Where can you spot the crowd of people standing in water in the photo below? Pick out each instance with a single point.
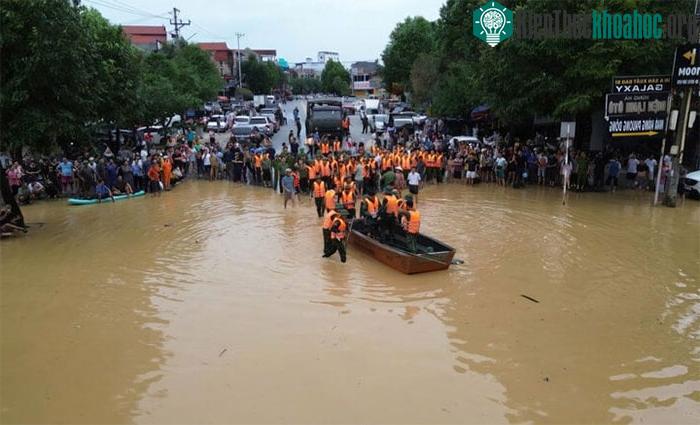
(323, 166)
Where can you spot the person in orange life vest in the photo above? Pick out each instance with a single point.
(325, 147)
(369, 211)
(329, 199)
(337, 145)
(347, 198)
(326, 172)
(410, 222)
(338, 234)
(257, 162)
(318, 191)
(328, 218)
(387, 214)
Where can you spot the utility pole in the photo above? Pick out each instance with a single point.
(177, 24)
(238, 50)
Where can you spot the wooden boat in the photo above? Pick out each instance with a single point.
(431, 254)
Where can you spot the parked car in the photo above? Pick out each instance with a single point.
(691, 184)
(270, 114)
(419, 119)
(378, 122)
(241, 120)
(242, 132)
(212, 108)
(217, 123)
(263, 124)
(402, 119)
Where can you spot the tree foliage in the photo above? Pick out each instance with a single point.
(407, 41)
(305, 85)
(424, 74)
(261, 77)
(65, 69)
(335, 79)
(520, 78)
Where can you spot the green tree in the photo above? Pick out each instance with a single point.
(261, 77)
(424, 74)
(521, 78)
(410, 38)
(335, 79)
(47, 74)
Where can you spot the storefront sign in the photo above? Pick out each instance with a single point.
(631, 105)
(686, 66)
(641, 84)
(631, 127)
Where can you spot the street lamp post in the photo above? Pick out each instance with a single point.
(238, 40)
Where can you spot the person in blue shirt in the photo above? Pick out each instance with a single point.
(613, 172)
(103, 191)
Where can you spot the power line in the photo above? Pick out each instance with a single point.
(104, 3)
(136, 9)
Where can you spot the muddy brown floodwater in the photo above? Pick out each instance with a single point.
(212, 305)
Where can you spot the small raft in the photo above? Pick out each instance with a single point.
(431, 255)
(82, 201)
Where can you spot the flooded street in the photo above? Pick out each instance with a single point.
(211, 304)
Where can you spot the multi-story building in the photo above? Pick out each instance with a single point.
(222, 57)
(311, 68)
(146, 37)
(365, 80)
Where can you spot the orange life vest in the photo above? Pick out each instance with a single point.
(413, 223)
(348, 200)
(319, 189)
(336, 146)
(340, 233)
(325, 148)
(392, 204)
(401, 206)
(325, 169)
(328, 219)
(406, 163)
(312, 172)
(342, 170)
(338, 182)
(329, 199)
(372, 206)
(317, 167)
(258, 161)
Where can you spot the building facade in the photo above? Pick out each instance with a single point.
(222, 57)
(365, 78)
(146, 37)
(313, 69)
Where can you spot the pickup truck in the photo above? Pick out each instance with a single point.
(400, 120)
(326, 115)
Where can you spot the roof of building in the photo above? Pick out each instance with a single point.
(265, 52)
(217, 45)
(366, 66)
(144, 30)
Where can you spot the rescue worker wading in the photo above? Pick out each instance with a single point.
(318, 191)
(329, 199)
(328, 218)
(410, 222)
(338, 234)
